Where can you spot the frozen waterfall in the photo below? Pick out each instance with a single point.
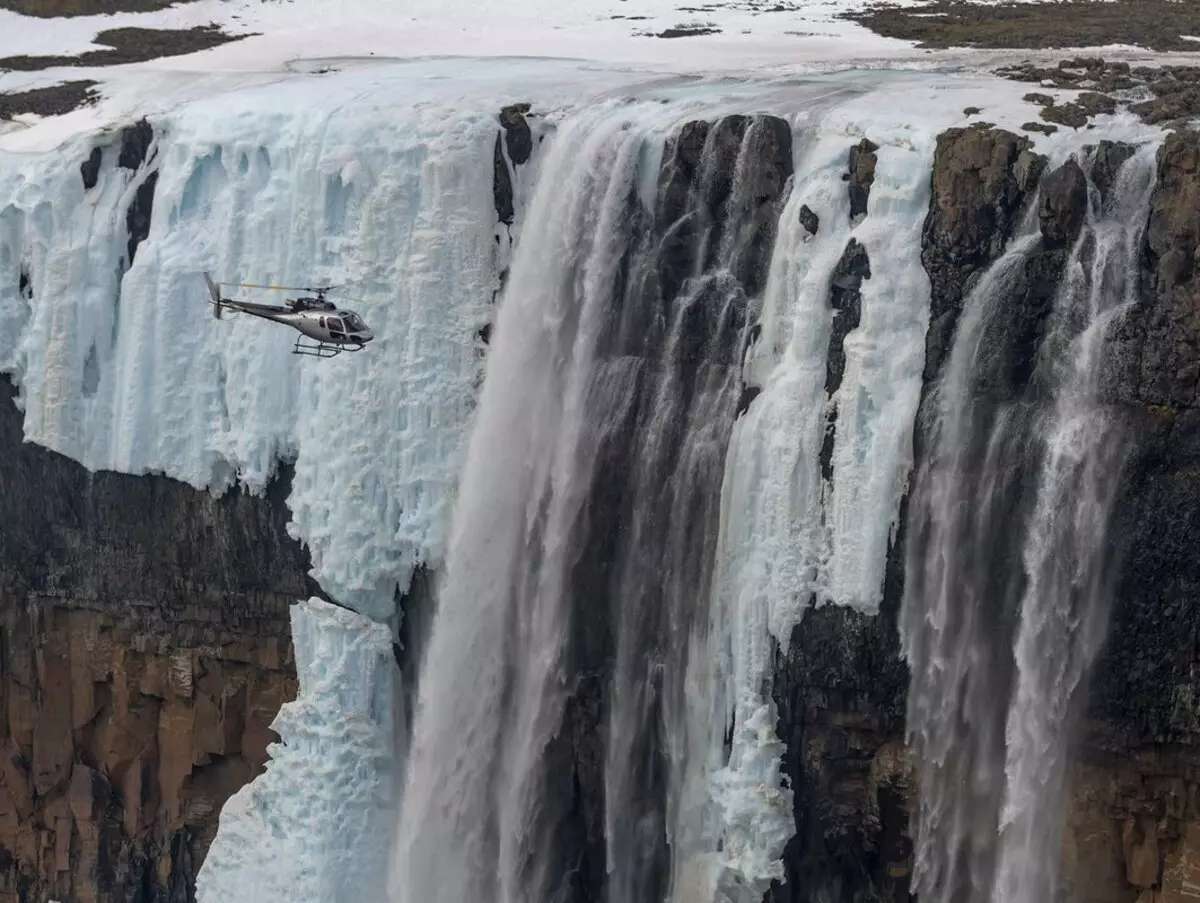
(121, 366)
(630, 437)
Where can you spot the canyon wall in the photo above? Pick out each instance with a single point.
(144, 652)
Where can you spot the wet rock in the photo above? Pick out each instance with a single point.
(1107, 160)
(1181, 104)
(845, 297)
(1096, 104)
(135, 143)
(764, 141)
(1068, 114)
(1042, 127)
(515, 137)
(839, 691)
(980, 180)
(502, 186)
(137, 216)
(862, 177)
(89, 169)
(1166, 325)
(971, 111)
(518, 137)
(1139, 843)
(749, 393)
(1043, 100)
(809, 220)
(1063, 205)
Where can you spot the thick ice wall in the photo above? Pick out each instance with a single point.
(315, 825)
(131, 372)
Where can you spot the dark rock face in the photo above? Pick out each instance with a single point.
(135, 154)
(1107, 160)
(89, 169)
(137, 217)
(839, 691)
(144, 651)
(845, 298)
(1155, 367)
(1063, 205)
(1017, 330)
(981, 178)
(809, 220)
(516, 137)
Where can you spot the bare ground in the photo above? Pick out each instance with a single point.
(129, 45)
(940, 24)
(46, 9)
(52, 101)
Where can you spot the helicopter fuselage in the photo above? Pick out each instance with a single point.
(331, 326)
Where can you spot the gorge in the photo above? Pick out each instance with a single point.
(775, 488)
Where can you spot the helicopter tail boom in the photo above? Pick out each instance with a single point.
(215, 294)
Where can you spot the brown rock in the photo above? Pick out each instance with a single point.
(1063, 205)
(1139, 842)
(862, 177)
(123, 723)
(1071, 115)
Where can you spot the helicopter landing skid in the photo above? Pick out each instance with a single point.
(323, 349)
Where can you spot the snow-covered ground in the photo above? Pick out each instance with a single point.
(292, 39)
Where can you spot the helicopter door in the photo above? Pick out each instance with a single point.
(335, 328)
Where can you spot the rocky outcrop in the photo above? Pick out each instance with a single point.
(981, 179)
(144, 651)
(861, 177)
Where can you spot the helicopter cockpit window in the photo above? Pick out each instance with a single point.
(334, 324)
(353, 323)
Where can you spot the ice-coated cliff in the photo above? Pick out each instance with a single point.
(122, 367)
(695, 423)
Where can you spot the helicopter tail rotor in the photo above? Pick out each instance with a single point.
(215, 294)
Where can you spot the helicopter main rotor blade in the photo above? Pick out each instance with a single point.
(280, 288)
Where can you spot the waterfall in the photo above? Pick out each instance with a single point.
(1007, 529)
(584, 535)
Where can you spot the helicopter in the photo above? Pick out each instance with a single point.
(334, 330)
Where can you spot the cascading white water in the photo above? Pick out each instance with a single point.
(586, 525)
(944, 626)
(992, 552)
(1064, 607)
(503, 609)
